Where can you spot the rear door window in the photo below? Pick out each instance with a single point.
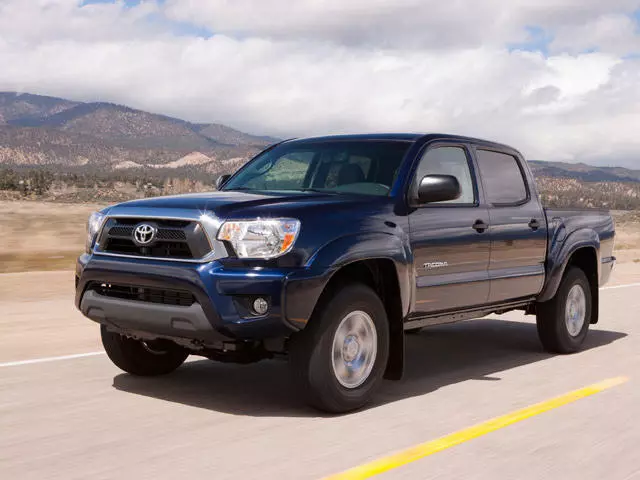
(502, 178)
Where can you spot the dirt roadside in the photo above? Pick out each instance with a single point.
(44, 236)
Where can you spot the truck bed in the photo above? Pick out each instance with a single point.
(574, 223)
(599, 220)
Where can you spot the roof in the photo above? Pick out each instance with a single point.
(410, 137)
(407, 137)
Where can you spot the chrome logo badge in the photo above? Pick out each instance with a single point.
(144, 234)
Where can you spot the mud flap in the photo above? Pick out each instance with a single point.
(395, 364)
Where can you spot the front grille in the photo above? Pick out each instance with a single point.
(181, 298)
(175, 239)
(163, 233)
(160, 249)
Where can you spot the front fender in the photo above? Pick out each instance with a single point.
(561, 247)
(303, 289)
(362, 246)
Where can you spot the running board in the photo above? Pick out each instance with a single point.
(460, 315)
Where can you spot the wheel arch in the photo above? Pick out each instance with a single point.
(382, 276)
(583, 255)
(586, 259)
(562, 248)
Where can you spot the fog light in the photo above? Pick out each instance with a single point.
(260, 306)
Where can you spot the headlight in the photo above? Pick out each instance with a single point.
(93, 227)
(260, 238)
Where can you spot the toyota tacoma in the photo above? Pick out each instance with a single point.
(329, 250)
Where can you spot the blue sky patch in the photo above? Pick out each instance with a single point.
(183, 29)
(160, 21)
(636, 16)
(538, 41)
(128, 3)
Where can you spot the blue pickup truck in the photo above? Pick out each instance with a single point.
(329, 250)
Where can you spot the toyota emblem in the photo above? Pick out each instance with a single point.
(144, 234)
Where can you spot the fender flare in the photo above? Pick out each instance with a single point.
(560, 251)
(303, 289)
(378, 246)
(302, 294)
(369, 246)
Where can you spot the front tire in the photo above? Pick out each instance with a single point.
(339, 359)
(142, 358)
(563, 321)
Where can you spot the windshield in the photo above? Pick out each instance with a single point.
(364, 167)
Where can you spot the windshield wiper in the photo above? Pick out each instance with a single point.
(316, 190)
(244, 189)
(237, 188)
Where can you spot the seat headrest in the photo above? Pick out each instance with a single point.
(350, 173)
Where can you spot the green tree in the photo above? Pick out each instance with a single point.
(41, 181)
(8, 179)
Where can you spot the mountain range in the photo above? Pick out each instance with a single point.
(584, 172)
(38, 130)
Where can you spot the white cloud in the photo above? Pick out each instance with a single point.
(391, 23)
(28, 23)
(614, 33)
(284, 76)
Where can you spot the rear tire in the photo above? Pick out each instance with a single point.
(142, 358)
(563, 321)
(339, 359)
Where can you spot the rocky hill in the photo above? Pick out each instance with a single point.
(37, 130)
(571, 192)
(26, 107)
(584, 172)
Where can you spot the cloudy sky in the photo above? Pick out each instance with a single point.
(558, 79)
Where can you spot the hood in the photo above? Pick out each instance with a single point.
(227, 204)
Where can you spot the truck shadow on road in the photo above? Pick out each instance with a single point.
(436, 357)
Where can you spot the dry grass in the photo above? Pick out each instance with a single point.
(627, 247)
(627, 230)
(49, 236)
(40, 235)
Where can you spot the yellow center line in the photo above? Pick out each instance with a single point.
(422, 450)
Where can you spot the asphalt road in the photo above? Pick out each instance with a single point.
(83, 418)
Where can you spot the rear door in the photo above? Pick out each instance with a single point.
(518, 226)
(449, 240)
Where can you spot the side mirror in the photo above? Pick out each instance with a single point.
(438, 188)
(222, 179)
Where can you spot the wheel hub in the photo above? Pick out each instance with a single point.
(351, 348)
(354, 350)
(575, 310)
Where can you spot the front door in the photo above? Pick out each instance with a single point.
(450, 240)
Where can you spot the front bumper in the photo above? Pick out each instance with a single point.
(219, 293)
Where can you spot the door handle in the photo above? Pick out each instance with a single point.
(480, 226)
(534, 224)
